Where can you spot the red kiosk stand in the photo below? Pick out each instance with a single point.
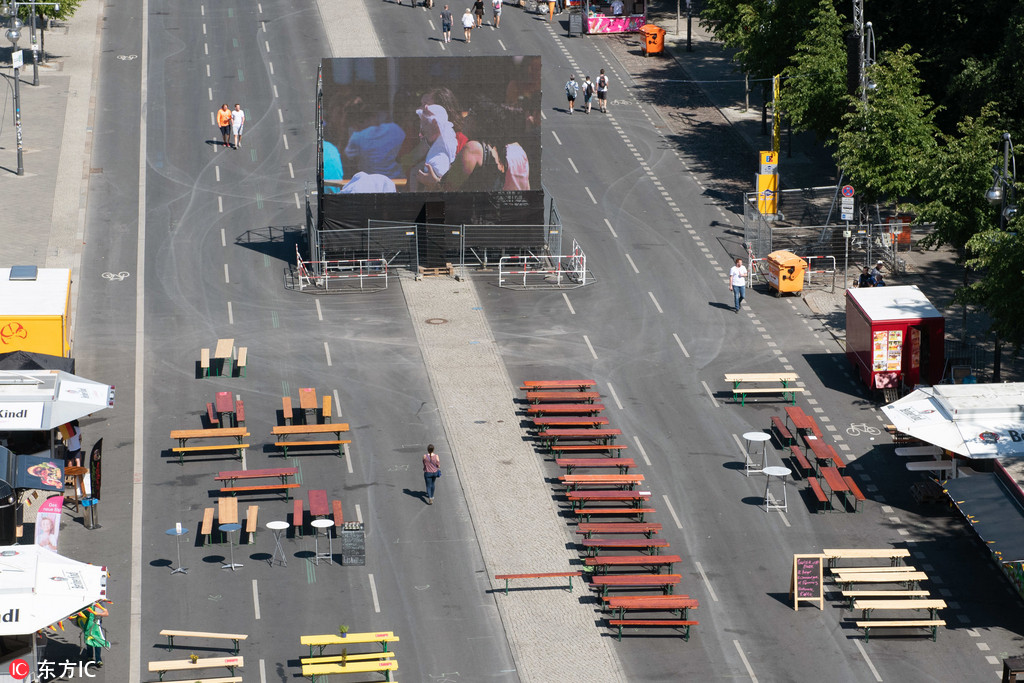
(894, 336)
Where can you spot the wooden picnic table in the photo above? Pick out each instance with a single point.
(564, 408)
(602, 435)
(835, 480)
(590, 528)
(932, 605)
(579, 498)
(224, 404)
(318, 506)
(911, 579)
(738, 378)
(231, 475)
(801, 420)
(227, 510)
(223, 352)
(623, 464)
(382, 637)
(183, 435)
(823, 452)
(307, 400)
(572, 481)
(676, 603)
(653, 545)
(283, 432)
(895, 555)
(570, 421)
(604, 582)
(562, 396)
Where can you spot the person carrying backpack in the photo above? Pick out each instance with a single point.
(602, 92)
(572, 89)
(588, 92)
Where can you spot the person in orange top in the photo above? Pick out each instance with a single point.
(224, 121)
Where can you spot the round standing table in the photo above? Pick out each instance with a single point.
(755, 437)
(178, 533)
(227, 530)
(322, 525)
(769, 502)
(278, 527)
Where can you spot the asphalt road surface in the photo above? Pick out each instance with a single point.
(656, 331)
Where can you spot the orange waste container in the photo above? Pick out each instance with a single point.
(654, 39)
(786, 272)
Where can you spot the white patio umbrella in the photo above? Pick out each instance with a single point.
(974, 420)
(35, 400)
(40, 587)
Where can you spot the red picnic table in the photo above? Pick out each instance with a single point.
(653, 545)
(802, 421)
(677, 603)
(564, 408)
(591, 528)
(562, 396)
(605, 436)
(823, 452)
(664, 581)
(282, 473)
(224, 404)
(318, 506)
(570, 421)
(835, 481)
(579, 498)
(580, 384)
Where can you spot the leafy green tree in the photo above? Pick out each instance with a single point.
(764, 32)
(1000, 255)
(888, 141)
(814, 83)
(61, 10)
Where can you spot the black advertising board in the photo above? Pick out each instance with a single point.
(806, 582)
(353, 544)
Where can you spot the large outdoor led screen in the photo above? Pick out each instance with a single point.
(431, 124)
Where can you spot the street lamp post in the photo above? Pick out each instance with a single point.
(11, 10)
(1002, 194)
(13, 34)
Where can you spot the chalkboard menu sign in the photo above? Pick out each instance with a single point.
(353, 544)
(805, 584)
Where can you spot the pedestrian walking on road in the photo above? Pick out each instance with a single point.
(224, 123)
(237, 124)
(431, 471)
(572, 89)
(446, 24)
(738, 283)
(602, 92)
(496, 7)
(478, 9)
(467, 23)
(588, 92)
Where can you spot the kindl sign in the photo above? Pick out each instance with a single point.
(13, 616)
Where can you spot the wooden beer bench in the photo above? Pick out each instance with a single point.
(781, 378)
(605, 582)
(628, 481)
(603, 562)
(283, 473)
(894, 555)
(564, 409)
(322, 641)
(579, 384)
(570, 421)
(653, 545)
(562, 396)
(648, 529)
(231, 663)
(544, 575)
(172, 634)
(623, 464)
(286, 431)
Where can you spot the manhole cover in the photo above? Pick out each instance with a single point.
(436, 321)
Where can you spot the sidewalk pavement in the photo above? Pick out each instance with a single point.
(935, 272)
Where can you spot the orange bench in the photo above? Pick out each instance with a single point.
(508, 577)
(858, 497)
(785, 436)
(611, 448)
(818, 493)
(564, 408)
(339, 519)
(653, 545)
(580, 384)
(627, 481)
(211, 415)
(239, 413)
(570, 421)
(298, 516)
(806, 469)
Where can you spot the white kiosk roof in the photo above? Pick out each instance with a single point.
(975, 420)
(46, 294)
(905, 302)
(38, 587)
(33, 400)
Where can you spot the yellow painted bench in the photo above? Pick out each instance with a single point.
(382, 637)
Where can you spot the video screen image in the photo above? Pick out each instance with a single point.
(415, 124)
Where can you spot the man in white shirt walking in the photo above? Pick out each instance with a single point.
(738, 283)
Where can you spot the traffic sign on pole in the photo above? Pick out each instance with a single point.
(847, 190)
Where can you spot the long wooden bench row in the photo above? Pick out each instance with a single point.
(684, 624)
